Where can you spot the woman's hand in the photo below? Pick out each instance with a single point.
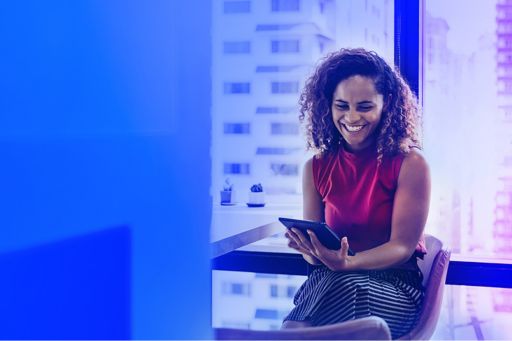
(295, 242)
(336, 260)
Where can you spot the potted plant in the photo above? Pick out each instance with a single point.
(227, 195)
(256, 196)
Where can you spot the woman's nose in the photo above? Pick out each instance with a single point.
(352, 116)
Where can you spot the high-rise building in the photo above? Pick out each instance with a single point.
(439, 73)
(368, 24)
(262, 54)
(503, 210)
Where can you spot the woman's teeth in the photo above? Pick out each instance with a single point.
(353, 128)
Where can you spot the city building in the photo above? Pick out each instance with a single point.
(503, 199)
(262, 54)
(502, 230)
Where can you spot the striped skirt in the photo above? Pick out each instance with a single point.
(328, 297)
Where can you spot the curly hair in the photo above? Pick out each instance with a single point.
(398, 130)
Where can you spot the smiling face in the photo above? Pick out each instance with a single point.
(357, 111)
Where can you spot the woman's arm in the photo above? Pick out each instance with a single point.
(410, 210)
(313, 209)
(313, 206)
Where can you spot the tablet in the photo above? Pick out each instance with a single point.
(326, 236)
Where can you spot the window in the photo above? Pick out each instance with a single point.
(237, 128)
(285, 46)
(285, 87)
(505, 57)
(504, 27)
(275, 110)
(505, 42)
(236, 325)
(286, 169)
(237, 7)
(507, 113)
(273, 290)
(234, 288)
(237, 288)
(276, 150)
(275, 68)
(237, 168)
(285, 5)
(501, 301)
(321, 6)
(283, 291)
(322, 46)
(275, 27)
(505, 87)
(284, 128)
(237, 47)
(503, 12)
(270, 314)
(470, 204)
(473, 53)
(237, 88)
(264, 275)
(504, 72)
(270, 68)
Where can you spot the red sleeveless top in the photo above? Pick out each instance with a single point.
(358, 195)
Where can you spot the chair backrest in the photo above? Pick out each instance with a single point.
(434, 267)
(368, 328)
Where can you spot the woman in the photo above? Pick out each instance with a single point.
(371, 185)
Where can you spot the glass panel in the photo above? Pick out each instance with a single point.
(275, 110)
(275, 151)
(285, 5)
(285, 169)
(231, 7)
(237, 168)
(241, 47)
(284, 128)
(237, 128)
(285, 46)
(275, 68)
(467, 124)
(237, 88)
(267, 303)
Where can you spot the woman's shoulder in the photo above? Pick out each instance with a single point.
(317, 166)
(395, 166)
(326, 155)
(313, 161)
(415, 159)
(414, 164)
(322, 160)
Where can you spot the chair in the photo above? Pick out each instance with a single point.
(368, 328)
(434, 268)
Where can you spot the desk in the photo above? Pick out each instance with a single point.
(237, 226)
(237, 233)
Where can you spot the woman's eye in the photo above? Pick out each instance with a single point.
(343, 107)
(365, 108)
